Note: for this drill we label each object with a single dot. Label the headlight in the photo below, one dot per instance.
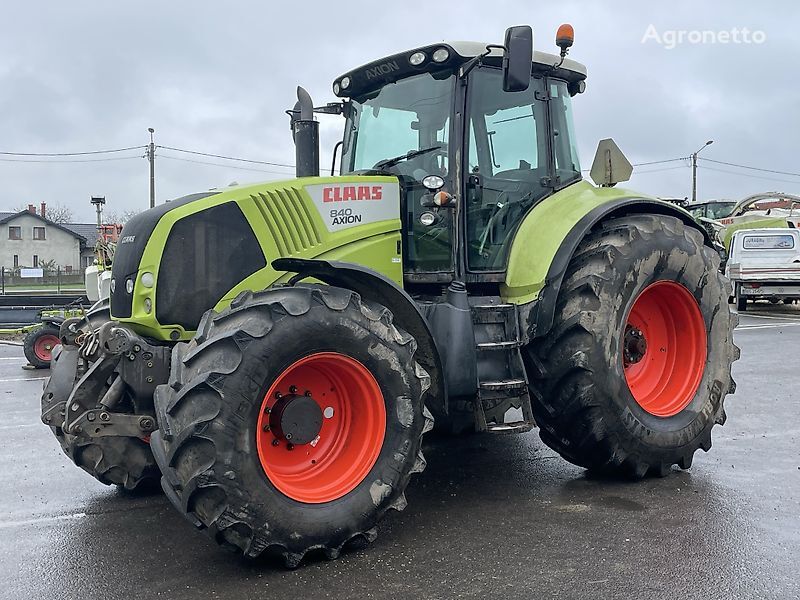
(441, 55)
(427, 219)
(147, 279)
(148, 305)
(336, 89)
(433, 182)
(417, 58)
(345, 83)
(129, 286)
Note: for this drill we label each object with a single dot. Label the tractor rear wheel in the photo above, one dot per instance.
(632, 376)
(292, 422)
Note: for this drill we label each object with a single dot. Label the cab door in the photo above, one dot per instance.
(509, 165)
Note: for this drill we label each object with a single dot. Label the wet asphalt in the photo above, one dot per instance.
(491, 517)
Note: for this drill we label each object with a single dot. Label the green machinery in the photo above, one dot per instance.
(273, 353)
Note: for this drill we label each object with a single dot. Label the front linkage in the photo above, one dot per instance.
(99, 400)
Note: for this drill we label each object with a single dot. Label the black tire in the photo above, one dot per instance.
(582, 403)
(126, 462)
(29, 344)
(208, 417)
(741, 301)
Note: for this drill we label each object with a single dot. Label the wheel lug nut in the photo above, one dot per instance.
(275, 442)
(292, 389)
(308, 393)
(277, 395)
(288, 436)
(290, 446)
(266, 427)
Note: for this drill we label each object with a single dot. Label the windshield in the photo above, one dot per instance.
(720, 210)
(412, 114)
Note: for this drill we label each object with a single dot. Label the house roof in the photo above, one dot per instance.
(6, 217)
(88, 231)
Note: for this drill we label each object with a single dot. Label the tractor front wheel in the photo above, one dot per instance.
(632, 377)
(292, 422)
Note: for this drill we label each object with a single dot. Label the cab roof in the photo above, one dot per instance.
(392, 68)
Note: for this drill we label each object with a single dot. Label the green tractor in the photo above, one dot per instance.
(274, 353)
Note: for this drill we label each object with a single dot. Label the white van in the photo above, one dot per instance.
(764, 264)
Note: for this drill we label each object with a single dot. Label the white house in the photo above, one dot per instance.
(28, 239)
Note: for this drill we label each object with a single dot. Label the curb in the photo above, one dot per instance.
(10, 343)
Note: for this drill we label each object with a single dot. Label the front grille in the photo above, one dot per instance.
(206, 255)
(288, 220)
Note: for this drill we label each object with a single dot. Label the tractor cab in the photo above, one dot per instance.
(476, 133)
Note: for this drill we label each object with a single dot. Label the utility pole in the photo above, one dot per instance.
(151, 157)
(694, 169)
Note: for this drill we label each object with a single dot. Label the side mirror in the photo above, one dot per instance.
(610, 166)
(518, 58)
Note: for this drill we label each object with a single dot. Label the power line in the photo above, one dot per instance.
(77, 160)
(213, 164)
(658, 162)
(652, 162)
(748, 175)
(661, 170)
(247, 160)
(71, 153)
(720, 162)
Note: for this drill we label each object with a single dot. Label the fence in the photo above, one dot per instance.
(41, 280)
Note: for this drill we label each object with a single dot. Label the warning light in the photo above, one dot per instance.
(565, 36)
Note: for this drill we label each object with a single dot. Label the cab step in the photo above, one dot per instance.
(503, 404)
(498, 345)
(504, 384)
(506, 428)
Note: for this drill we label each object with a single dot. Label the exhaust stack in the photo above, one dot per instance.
(305, 131)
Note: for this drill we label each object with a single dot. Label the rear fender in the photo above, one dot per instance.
(55, 320)
(547, 239)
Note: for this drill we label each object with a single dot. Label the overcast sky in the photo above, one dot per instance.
(216, 77)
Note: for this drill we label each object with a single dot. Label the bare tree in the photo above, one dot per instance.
(56, 213)
(59, 214)
(114, 217)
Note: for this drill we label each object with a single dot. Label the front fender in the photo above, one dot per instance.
(549, 235)
(374, 286)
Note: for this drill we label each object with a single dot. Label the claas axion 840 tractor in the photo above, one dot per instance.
(274, 353)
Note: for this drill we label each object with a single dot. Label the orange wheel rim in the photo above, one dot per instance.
(664, 348)
(43, 347)
(321, 427)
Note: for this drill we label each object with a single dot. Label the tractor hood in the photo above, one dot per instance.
(177, 260)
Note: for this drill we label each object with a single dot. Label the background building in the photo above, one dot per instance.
(30, 239)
